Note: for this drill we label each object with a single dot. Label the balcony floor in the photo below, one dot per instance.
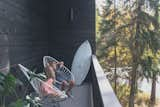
(82, 97)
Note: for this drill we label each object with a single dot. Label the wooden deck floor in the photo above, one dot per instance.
(82, 97)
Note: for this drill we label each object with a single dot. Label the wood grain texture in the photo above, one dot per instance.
(70, 34)
(25, 24)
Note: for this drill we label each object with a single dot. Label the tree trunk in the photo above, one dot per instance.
(133, 86)
(115, 54)
(136, 53)
(115, 72)
(153, 92)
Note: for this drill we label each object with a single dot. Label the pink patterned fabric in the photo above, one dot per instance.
(47, 89)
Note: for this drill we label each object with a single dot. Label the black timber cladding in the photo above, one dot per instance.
(67, 33)
(35, 28)
(24, 22)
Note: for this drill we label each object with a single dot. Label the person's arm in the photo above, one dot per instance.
(53, 76)
(50, 73)
(60, 64)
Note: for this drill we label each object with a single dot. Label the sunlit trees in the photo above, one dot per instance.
(151, 69)
(134, 28)
(152, 56)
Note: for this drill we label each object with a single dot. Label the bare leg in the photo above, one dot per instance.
(71, 84)
(64, 85)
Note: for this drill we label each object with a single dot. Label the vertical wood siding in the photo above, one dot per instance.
(38, 27)
(65, 34)
(24, 22)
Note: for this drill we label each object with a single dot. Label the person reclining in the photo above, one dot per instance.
(46, 88)
(52, 71)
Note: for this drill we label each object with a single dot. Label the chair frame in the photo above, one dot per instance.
(33, 81)
(64, 68)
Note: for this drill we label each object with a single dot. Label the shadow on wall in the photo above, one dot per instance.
(4, 54)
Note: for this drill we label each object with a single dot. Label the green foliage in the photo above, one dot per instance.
(142, 98)
(123, 94)
(151, 63)
(133, 30)
(7, 84)
(29, 101)
(7, 87)
(18, 103)
(33, 100)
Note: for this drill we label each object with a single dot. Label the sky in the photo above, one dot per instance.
(99, 3)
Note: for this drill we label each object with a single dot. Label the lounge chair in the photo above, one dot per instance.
(64, 71)
(36, 83)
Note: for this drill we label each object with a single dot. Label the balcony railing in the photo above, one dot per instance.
(103, 94)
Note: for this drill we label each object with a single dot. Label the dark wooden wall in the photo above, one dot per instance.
(25, 24)
(35, 28)
(66, 34)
